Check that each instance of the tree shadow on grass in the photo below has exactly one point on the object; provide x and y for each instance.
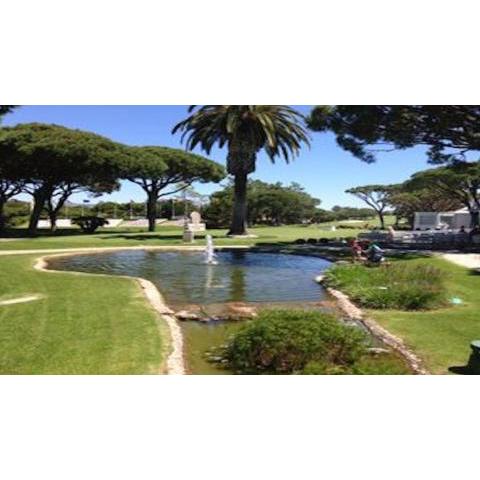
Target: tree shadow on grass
(143, 238)
(461, 370)
(22, 233)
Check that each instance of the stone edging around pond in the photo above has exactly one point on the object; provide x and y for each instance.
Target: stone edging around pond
(355, 313)
(175, 360)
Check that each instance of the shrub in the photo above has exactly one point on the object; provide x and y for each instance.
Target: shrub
(300, 241)
(89, 224)
(404, 286)
(312, 241)
(285, 341)
(384, 364)
(16, 220)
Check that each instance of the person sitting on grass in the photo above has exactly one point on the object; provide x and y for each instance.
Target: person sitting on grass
(375, 254)
(357, 251)
(474, 235)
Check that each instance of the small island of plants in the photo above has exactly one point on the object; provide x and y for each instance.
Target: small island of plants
(302, 342)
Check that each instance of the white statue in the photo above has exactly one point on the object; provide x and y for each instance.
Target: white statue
(210, 252)
(195, 223)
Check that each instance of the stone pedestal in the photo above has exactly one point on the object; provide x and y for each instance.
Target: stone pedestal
(188, 236)
(196, 227)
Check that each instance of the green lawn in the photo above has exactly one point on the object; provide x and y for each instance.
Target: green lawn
(73, 238)
(441, 337)
(91, 324)
(83, 324)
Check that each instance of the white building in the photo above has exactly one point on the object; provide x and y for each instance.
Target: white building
(442, 220)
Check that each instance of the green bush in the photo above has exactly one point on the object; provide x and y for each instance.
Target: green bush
(402, 285)
(89, 224)
(384, 364)
(16, 220)
(285, 341)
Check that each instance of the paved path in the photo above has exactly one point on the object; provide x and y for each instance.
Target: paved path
(468, 260)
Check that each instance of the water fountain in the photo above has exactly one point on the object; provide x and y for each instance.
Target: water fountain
(210, 252)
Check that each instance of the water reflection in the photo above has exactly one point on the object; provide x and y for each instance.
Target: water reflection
(239, 276)
(237, 285)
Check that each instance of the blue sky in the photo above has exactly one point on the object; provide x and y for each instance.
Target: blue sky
(325, 170)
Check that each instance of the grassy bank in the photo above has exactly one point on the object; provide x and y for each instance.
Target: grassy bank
(441, 336)
(81, 325)
(400, 285)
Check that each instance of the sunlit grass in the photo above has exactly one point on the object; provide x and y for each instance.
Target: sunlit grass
(83, 324)
(73, 238)
(441, 336)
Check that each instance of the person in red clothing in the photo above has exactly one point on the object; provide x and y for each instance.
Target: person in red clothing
(357, 251)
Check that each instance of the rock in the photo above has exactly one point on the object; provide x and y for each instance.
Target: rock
(215, 358)
(204, 319)
(186, 315)
(239, 310)
(378, 350)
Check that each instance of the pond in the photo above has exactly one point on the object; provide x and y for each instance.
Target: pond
(184, 278)
(264, 279)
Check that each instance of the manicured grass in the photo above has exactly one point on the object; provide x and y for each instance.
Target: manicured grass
(89, 324)
(441, 337)
(84, 324)
(73, 238)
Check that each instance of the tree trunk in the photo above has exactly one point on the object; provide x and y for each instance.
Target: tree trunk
(152, 211)
(474, 218)
(382, 220)
(39, 197)
(238, 225)
(2, 215)
(52, 215)
(53, 210)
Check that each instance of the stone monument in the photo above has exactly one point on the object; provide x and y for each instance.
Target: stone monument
(195, 224)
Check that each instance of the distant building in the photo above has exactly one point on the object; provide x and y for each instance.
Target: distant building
(443, 220)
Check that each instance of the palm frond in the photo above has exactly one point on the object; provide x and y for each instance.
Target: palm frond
(277, 129)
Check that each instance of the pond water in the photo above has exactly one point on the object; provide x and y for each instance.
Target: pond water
(184, 278)
(267, 280)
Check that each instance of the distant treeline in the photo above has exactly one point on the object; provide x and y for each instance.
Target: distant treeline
(277, 204)
(269, 204)
(17, 212)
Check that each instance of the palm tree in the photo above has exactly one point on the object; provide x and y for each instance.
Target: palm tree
(245, 129)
